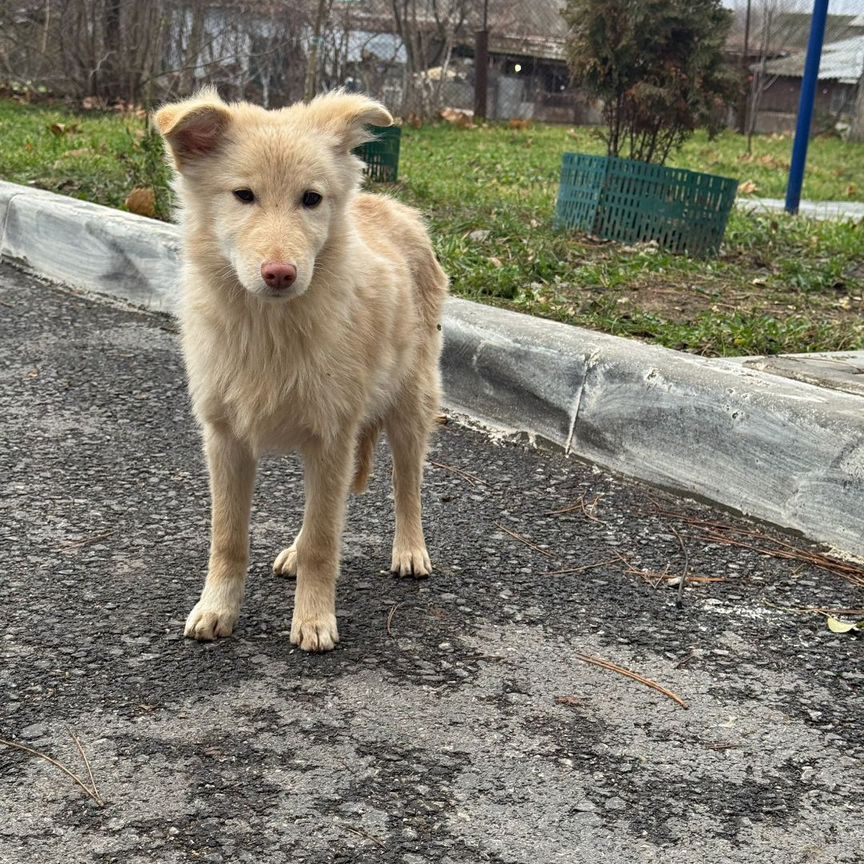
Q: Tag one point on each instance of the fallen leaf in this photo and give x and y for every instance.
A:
(142, 201)
(835, 625)
(60, 129)
(462, 119)
(748, 187)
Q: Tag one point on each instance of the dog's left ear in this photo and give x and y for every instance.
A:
(346, 115)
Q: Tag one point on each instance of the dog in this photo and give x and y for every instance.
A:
(310, 318)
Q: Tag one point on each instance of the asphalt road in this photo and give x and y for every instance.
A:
(470, 732)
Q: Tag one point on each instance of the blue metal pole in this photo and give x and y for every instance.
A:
(805, 105)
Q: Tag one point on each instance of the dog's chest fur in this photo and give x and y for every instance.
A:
(280, 375)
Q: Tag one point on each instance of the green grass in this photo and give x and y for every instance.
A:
(94, 156)
(779, 285)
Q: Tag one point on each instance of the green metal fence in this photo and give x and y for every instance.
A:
(634, 202)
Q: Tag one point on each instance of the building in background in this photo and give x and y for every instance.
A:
(840, 77)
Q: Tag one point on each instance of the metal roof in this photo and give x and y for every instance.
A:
(842, 61)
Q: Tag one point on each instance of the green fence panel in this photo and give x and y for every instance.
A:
(634, 202)
(382, 154)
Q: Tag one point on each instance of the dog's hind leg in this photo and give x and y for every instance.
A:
(232, 478)
(326, 478)
(286, 561)
(364, 459)
(408, 427)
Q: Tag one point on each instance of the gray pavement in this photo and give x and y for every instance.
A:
(471, 732)
(822, 210)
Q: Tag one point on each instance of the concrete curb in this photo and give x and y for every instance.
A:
(89, 246)
(781, 450)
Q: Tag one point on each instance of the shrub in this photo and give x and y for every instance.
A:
(657, 65)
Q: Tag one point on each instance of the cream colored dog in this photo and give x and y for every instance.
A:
(310, 320)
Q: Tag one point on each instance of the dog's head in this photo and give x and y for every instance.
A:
(268, 187)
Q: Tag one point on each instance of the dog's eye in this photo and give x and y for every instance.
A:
(247, 196)
(311, 199)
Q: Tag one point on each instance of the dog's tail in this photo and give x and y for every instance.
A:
(364, 457)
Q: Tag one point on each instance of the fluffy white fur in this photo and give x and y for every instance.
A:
(350, 347)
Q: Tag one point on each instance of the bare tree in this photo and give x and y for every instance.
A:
(428, 30)
(130, 51)
(322, 13)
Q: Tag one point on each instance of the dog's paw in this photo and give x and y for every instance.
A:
(210, 619)
(314, 633)
(286, 561)
(408, 561)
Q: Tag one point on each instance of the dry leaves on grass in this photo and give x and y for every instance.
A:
(142, 200)
(454, 117)
(60, 129)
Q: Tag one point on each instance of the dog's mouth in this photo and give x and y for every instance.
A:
(280, 292)
(285, 293)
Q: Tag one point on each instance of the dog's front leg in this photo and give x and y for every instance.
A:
(326, 477)
(232, 478)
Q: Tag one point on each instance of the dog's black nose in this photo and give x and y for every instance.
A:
(278, 275)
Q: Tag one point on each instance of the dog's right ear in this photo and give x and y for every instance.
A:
(194, 127)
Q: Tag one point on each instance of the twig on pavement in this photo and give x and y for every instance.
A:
(361, 833)
(91, 793)
(679, 600)
(682, 663)
(85, 541)
(614, 667)
(591, 506)
(852, 572)
(390, 619)
(525, 540)
(719, 532)
(471, 478)
(87, 765)
(569, 509)
(579, 505)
